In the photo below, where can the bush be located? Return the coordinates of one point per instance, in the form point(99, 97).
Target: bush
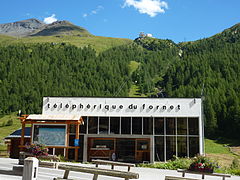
point(234, 171)
point(177, 163)
point(37, 149)
point(202, 163)
point(235, 164)
point(9, 122)
point(184, 163)
point(3, 124)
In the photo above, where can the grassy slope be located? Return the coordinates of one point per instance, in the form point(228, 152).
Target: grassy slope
point(220, 151)
point(97, 42)
point(134, 90)
point(6, 130)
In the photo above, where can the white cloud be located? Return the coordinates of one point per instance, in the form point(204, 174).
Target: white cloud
point(150, 7)
point(95, 11)
point(50, 19)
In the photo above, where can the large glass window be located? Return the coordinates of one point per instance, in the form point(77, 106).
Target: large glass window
point(93, 125)
point(193, 126)
point(114, 125)
point(137, 125)
point(171, 147)
point(125, 125)
point(159, 126)
point(159, 148)
point(103, 125)
point(182, 126)
point(147, 125)
point(182, 146)
point(170, 126)
point(193, 146)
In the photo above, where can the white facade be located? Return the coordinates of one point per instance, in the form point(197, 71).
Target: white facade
point(174, 109)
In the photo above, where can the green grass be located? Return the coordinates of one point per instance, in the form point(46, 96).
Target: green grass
point(134, 92)
point(133, 65)
point(6, 130)
point(213, 147)
point(97, 42)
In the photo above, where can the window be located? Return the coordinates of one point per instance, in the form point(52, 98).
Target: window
point(182, 146)
point(93, 125)
point(147, 125)
point(159, 148)
point(103, 125)
point(114, 125)
point(193, 126)
point(182, 126)
point(159, 126)
point(170, 126)
point(171, 147)
point(137, 125)
point(125, 125)
point(193, 146)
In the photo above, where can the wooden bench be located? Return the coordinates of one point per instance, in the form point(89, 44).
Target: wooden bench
point(96, 172)
point(112, 163)
point(184, 171)
point(178, 178)
point(23, 155)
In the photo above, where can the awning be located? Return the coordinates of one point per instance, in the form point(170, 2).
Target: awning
point(60, 117)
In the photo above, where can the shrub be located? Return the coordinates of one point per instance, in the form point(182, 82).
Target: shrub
point(9, 122)
point(235, 164)
point(3, 124)
point(177, 163)
point(234, 171)
point(202, 163)
point(37, 149)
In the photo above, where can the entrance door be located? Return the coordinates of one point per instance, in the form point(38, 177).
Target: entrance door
point(125, 150)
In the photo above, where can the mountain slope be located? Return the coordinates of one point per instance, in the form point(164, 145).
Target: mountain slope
point(34, 27)
point(60, 28)
point(57, 33)
point(21, 28)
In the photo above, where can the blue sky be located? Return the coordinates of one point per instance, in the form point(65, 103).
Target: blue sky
point(178, 20)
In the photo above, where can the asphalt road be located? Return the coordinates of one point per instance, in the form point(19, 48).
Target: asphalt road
point(7, 164)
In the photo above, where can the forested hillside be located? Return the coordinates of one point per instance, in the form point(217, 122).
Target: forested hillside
point(208, 68)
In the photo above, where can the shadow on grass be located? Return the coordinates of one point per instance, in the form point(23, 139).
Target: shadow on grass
point(225, 141)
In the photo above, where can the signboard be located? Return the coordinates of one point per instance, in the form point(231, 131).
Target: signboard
point(90, 106)
point(50, 135)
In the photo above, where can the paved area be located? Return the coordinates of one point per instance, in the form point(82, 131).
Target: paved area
point(6, 173)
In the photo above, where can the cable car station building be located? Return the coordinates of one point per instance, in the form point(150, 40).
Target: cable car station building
point(133, 129)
